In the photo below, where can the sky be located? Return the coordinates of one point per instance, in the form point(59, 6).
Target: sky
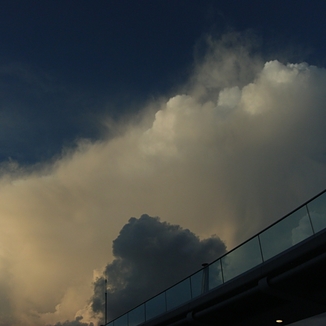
point(136, 135)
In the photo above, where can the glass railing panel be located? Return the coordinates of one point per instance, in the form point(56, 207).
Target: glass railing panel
point(137, 315)
point(286, 233)
point(241, 259)
point(121, 321)
point(215, 275)
point(304, 229)
point(178, 294)
point(317, 212)
point(196, 284)
point(155, 306)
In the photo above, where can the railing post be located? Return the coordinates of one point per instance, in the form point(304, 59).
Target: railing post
point(205, 278)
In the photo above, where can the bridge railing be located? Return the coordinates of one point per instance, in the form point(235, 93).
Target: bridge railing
point(300, 224)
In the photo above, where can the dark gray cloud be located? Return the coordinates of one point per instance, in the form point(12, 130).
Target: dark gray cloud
point(150, 256)
point(76, 322)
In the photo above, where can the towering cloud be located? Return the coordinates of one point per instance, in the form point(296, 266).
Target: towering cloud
point(240, 145)
point(149, 257)
point(77, 322)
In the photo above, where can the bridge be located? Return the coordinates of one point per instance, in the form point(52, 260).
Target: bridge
point(275, 277)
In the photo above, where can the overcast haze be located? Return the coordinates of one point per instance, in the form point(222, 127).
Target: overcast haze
point(131, 131)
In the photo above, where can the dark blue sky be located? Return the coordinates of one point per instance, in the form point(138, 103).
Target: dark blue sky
point(64, 65)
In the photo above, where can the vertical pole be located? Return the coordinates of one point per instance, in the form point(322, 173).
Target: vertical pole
point(106, 303)
point(205, 279)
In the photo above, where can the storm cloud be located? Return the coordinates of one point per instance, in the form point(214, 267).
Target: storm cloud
point(240, 145)
point(77, 322)
point(150, 256)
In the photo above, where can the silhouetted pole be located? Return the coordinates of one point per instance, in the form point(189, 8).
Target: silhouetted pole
point(106, 303)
